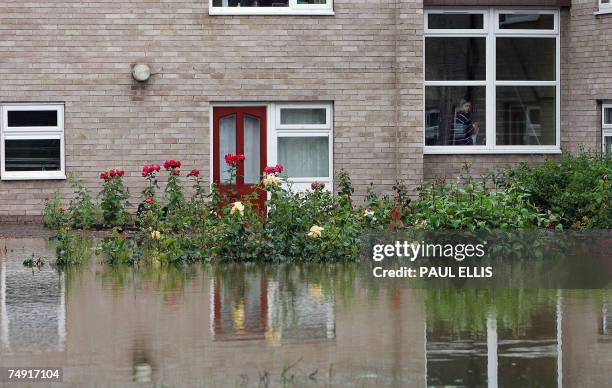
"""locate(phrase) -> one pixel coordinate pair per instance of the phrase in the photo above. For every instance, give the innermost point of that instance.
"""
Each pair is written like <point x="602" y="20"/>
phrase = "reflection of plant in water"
<point x="457" y="311"/>
<point x="166" y="279"/>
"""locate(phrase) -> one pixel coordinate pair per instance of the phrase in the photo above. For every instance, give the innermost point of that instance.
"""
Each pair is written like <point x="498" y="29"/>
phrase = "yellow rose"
<point x="237" y="207"/>
<point x="315" y="231"/>
<point x="271" y="180"/>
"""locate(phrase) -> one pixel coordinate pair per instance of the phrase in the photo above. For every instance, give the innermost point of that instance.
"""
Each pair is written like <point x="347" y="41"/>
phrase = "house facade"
<point x="386" y="89"/>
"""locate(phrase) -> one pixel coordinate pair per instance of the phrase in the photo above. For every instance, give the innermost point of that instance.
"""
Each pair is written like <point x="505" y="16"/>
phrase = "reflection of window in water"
<point x="262" y="308"/>
<point x="512" y="338"/>
<point x="33" y="310"/>
<point x="606" y="321"/>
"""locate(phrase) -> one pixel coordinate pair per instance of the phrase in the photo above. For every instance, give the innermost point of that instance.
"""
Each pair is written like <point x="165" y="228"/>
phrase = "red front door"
<point x="240" y="130"/>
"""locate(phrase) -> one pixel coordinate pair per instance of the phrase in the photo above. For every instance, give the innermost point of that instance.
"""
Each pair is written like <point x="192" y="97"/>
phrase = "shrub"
<point x="83" y="212"/>
<point x="114" y="198"/>
<point x="71" y="248"/>
<point x="54" y="214"/>
<point x="577" y="188"/>
<point x="472" y="205"/>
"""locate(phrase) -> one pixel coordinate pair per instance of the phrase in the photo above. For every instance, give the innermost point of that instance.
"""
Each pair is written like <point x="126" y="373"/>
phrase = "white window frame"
<point x="491" y="32"/>
<point x="293" y="9"/>
<point x="604" y="8"/>
<point x="275" y="130"/>
<point x="606" y="128"/>
<point x="32" y="133"/>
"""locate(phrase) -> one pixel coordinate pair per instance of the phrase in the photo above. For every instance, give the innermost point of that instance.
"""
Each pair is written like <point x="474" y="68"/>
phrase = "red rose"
<point x="270" y="170"/>
<point x="149" y="200"/>
<point x="146" y="170"/>
<point x="232" y="159"/>
<point x="104" y="176"/>
<point x="280" y="168"/>
<point x="121" y="173"/>
<point x="316" y="185"/>
<point x="194" y="172"/>
<point x="113" y="173"/>
<point x="175" y="172"/>
<point x="155" y="167"/>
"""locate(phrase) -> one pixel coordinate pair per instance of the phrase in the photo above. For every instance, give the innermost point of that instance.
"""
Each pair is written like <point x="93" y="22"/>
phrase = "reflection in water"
<point x="253" y="304"/>
<point x="33" y="309"/>
<point x="492" y="338"/>
<point x="281" y="325"/>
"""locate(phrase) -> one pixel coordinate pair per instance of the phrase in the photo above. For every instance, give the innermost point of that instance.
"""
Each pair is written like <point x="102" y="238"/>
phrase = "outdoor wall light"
<point x="141" y="72"/>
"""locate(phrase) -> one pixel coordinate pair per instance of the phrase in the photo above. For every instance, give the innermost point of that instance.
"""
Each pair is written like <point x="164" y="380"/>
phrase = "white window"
<point x="606" y="110"/>
<point x="271" y="7"/>
<point x="605" y="6"/>
<point x="303" y="143"/>
<point x="32" y="142"/>
<point x="491" y="81"/>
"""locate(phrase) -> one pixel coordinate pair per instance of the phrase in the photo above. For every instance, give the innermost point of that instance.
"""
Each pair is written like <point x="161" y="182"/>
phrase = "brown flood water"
<point x="290" y="325"/>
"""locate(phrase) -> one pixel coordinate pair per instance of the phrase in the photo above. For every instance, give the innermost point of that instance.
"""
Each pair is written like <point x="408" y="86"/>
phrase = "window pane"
<point x="455" y="115"/>
<point x="526" y="22"/>
<point x="466" y="21"/>
<point x="304" y="157"/>
<point x="32" y="155"/>
<point x="300" y="2"/>
<point x="526" y="59"/>
<point x="250" y="3"/>
<point x="32" y="118"/>
<point x="607" y="115"/>
<point x="457" y="59"/>
<point x="297" y="116"/>
<point x="608" y="147"/>
<point x="252" y="150"/>
<point x="227" y="143"/>
<point x="526" y="115"/>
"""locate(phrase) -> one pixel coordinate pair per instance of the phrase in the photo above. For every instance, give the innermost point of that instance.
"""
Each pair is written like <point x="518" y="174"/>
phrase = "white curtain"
<point x="227" y="143"/>
<point x="304" y="157"/>
<point x="252" y="169"/>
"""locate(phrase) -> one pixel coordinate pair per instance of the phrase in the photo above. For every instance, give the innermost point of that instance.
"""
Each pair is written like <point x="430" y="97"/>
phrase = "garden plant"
<point x="179" y="223"/>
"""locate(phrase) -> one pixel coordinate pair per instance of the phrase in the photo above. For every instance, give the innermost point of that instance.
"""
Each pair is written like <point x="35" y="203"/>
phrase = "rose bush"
<point x="318" y="225"/>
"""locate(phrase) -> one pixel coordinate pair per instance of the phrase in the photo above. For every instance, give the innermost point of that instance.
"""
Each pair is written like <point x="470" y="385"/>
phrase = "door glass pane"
<point x="304" y="157"/>
<point x="252" y="135"/>
<point x="32" y="155"/>
<point x="526" y="59"/>
<point x="291" y="116"/>
<point x="608" y="148"/>
<point x="455" y="115"/>
<point x="250" y="3"/>
<point x="526" y="22"/>
<point x="607" y="116"/>
<point x="457" y="59"/>
<point x="439" y="21"/>
<point x="32" y="118"/>
<point x="526" y="115"/>
<point x="227" y="143"/>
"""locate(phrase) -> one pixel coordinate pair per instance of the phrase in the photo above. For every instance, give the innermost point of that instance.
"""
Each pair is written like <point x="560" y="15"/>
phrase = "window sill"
<point x="496" y="151"/>
<point x="33" y="176"/>
<point x="603" y="12"/>
<point x="242" y="11"/>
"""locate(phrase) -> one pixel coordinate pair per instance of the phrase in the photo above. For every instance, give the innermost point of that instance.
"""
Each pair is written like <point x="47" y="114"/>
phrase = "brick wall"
<point x="81" y="53"/>
<point x="367" y="59"/>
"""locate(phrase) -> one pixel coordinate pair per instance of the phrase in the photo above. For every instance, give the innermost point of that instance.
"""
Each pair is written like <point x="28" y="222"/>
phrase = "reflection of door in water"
<point x="240" y="130"/>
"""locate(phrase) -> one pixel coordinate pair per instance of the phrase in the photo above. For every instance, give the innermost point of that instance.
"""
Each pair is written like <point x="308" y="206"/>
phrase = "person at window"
<point x="465" y="130"/>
